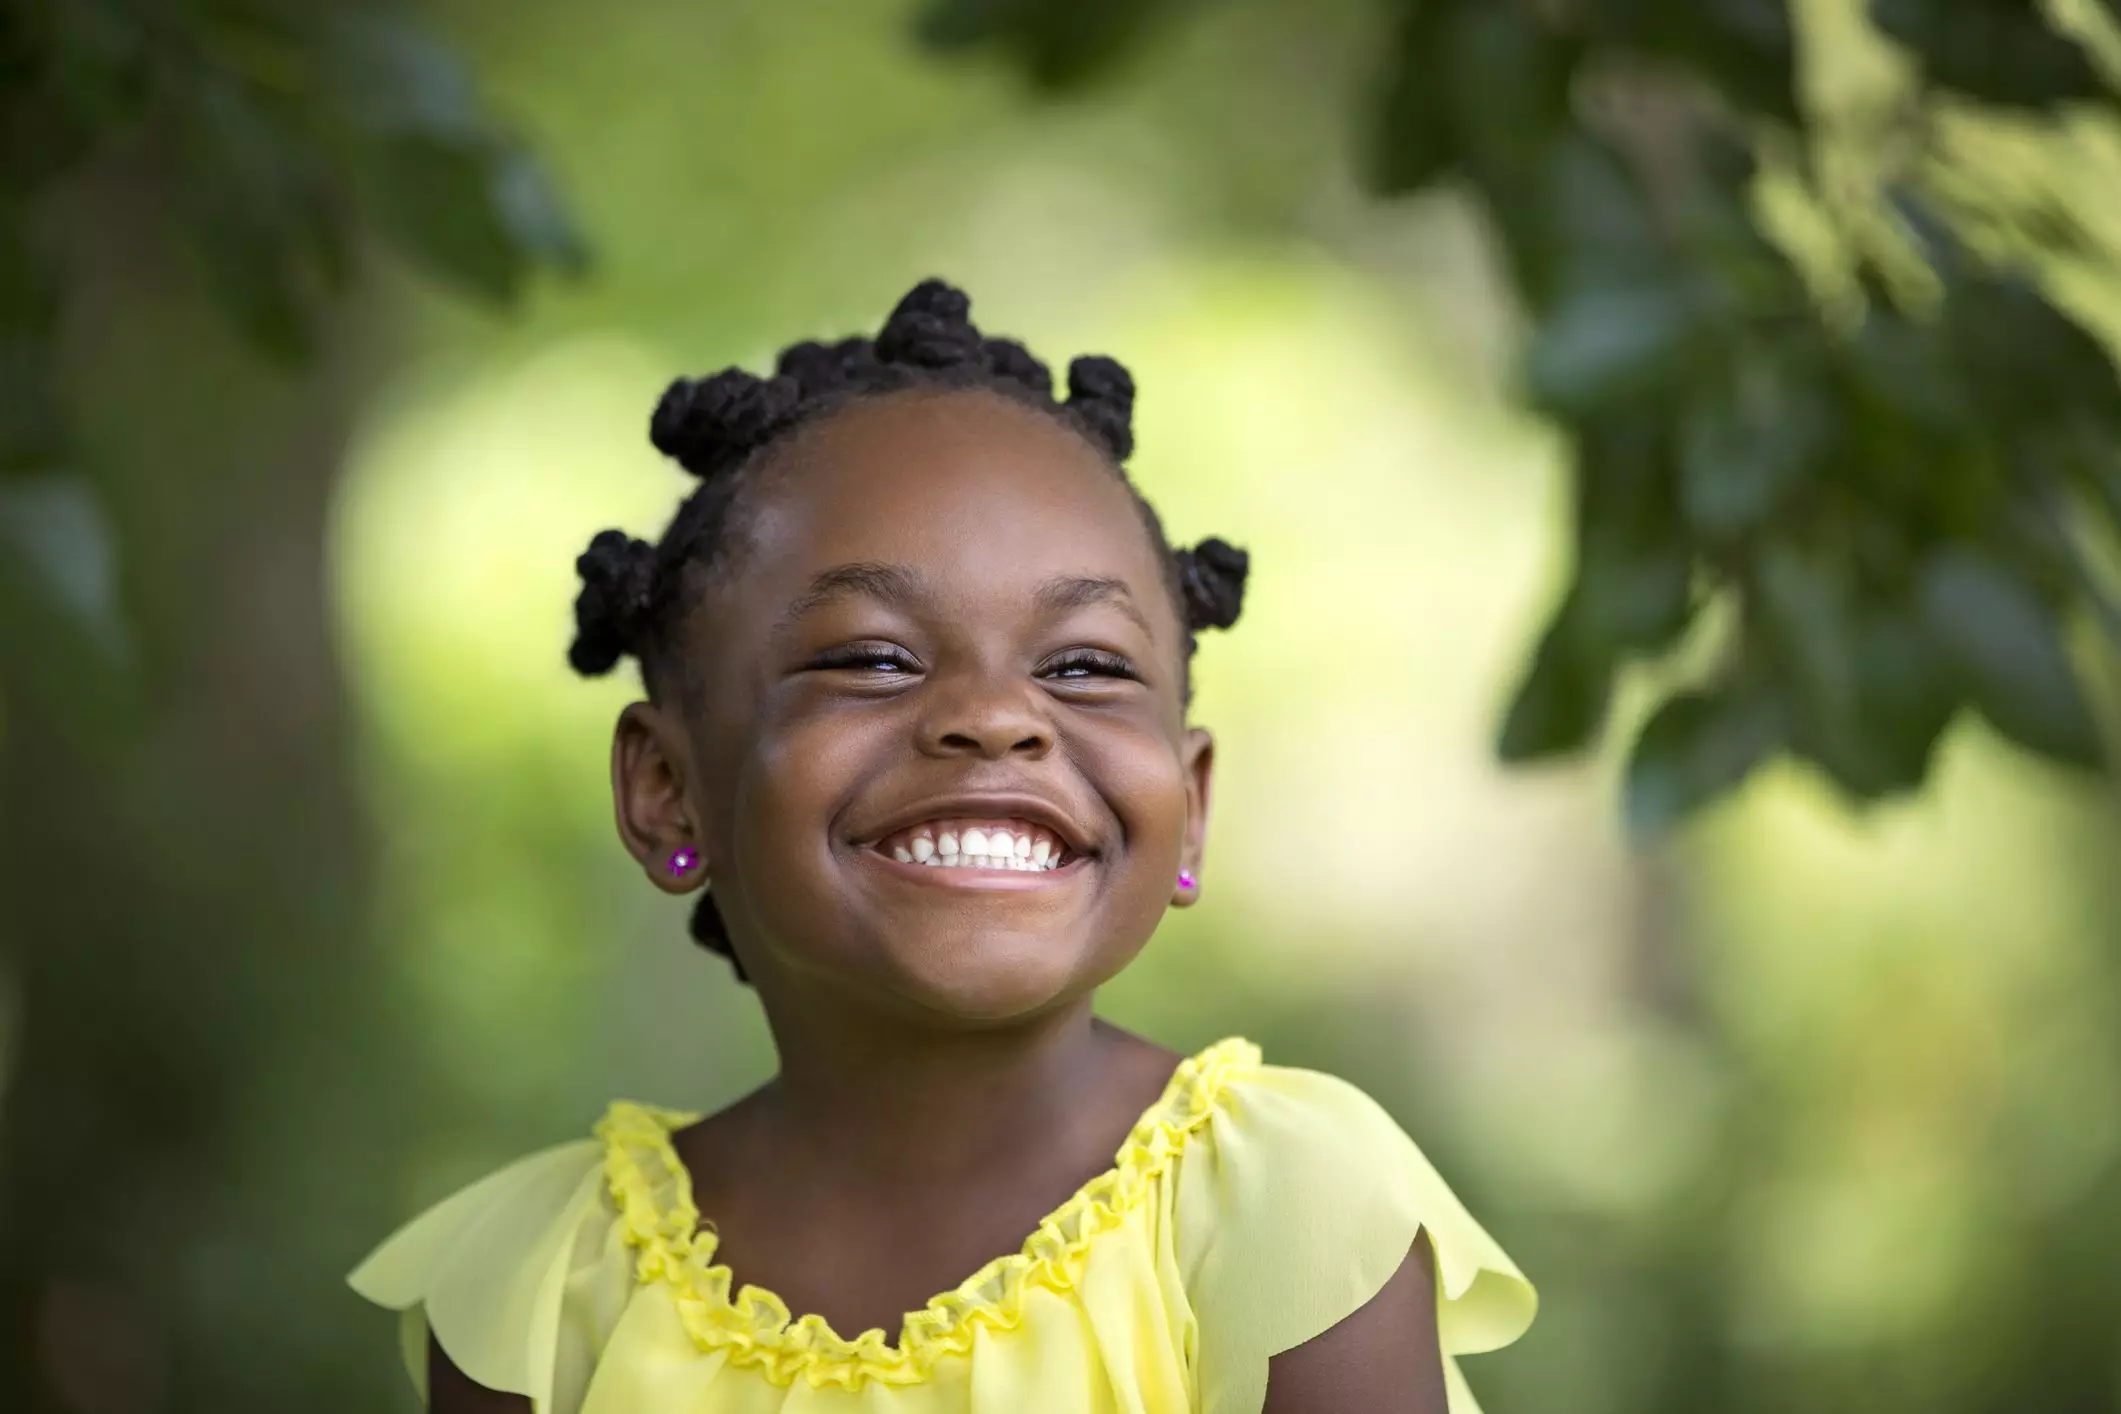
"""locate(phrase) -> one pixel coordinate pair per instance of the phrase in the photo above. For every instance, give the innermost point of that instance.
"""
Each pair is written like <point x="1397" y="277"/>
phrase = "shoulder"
<point x="1301" y="1201"/>
<point x="1287" y="1146"/>
<point x="1384" y="1355"/>
<point x="485" y="1270"/>
<point x="1288" y="1125"/>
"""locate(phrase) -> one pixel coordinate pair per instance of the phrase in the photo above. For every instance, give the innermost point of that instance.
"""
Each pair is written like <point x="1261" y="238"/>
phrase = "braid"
<point x="1101" y="398"/>
<point x="711" y="424"/>
<point x="931" y="329"/>
<point x="716" y="427"/>
<point x="1211" y="579"/>
<point x="611" y="612"/>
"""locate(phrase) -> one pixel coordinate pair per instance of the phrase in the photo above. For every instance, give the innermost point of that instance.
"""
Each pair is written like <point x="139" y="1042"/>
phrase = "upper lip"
<point x="1028" y="808"/>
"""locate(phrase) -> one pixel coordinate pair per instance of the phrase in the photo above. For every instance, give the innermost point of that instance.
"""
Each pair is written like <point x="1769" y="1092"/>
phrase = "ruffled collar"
<point x="653" y="1194"/>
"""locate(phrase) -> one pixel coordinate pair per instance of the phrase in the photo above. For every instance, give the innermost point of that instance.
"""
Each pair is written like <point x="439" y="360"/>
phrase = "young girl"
<point x="916" y="662"/>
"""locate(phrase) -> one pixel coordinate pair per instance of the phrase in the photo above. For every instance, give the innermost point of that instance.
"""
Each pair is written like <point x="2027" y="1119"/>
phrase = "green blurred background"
<point x="1812" y="1107"/>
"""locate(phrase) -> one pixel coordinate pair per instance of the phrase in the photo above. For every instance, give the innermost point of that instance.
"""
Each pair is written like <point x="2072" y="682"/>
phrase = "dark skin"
<point x="938" y="604"/>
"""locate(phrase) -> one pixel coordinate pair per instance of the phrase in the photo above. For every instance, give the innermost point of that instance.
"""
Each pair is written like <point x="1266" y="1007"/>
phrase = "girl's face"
<point x="942" y="613"/>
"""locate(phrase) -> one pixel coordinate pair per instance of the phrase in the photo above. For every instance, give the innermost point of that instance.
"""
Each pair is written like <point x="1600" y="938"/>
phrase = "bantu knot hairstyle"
<point x="634" y="594"/>
<point x="1211" y="583"/>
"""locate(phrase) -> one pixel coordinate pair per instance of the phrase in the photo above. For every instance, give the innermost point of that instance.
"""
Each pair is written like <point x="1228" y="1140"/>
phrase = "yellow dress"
<point x="1252" y="1207"/>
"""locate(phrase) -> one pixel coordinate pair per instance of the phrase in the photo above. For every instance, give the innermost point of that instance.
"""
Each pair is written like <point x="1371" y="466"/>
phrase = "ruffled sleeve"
<point x="1302" y="1204"/>
<point x="514" y="1275"/>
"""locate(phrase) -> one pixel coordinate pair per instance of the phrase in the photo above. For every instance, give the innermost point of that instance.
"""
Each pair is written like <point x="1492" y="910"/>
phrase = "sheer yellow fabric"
<point x="1251" y="1208"/>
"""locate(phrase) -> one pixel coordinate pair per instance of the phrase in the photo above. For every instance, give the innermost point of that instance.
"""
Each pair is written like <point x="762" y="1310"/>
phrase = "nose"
<point x="991" y="716"/>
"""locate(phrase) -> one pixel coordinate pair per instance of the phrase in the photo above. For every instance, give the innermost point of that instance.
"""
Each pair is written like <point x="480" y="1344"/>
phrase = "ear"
<point x="1198" y="760"/>
<point x="649" y="771"/>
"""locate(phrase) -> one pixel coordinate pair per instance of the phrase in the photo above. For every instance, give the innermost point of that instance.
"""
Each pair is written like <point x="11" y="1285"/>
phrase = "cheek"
<point x="1142" y="780"/>
<point x="785" y="791"/>
<point x="798" y="775"/>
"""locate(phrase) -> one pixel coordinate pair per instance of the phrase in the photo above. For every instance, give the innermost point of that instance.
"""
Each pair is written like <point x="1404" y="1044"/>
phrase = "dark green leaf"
<point x="1599" y="206"/>
<point x="391" y="76"/>
<point x="69" y="649"/>
<point x="534" y="215"/>
<point x="1761" y="37"/>
<point x="1634" y="572"/>
<point x="439" y="201"/>
<point x="253" y="199"/>
<point x="1508" y="77"/>
<point x="1743" y="449"/>
<point x="2100" y="469"/>
<point x="1560" y="705"/>
<point x="1609" y="344"/>
<point x="55" y="533"/>
<point x="2023" y="359"/>
<point x="1636" y="598"/>
<point x="1058" y="46"/>
<point x="2005" y="644"/>
<point x="1806" y="611"/>
<point x="2000" y="50"/>
<point x="1413" y="138"/>
<point x="1695" y="747"/>
<point x="1909" y="695"/>
<point x="1572" y="218"/>
<point x="1746" y="48"/>
<point x="256" y="286"/>
<point x="1907" y="369"/>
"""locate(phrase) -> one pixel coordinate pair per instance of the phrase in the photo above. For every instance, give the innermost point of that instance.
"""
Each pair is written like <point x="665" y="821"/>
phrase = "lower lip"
<point x="959" y="877"/>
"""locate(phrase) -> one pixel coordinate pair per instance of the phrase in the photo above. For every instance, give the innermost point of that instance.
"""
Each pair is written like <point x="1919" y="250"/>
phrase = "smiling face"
<point x="944" y="627"/>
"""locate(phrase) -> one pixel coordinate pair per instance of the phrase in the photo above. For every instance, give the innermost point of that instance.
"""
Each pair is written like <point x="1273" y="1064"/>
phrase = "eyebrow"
<point x="1064" y="592"/>
<point x="901" y="585"/>
<point x="891" y="584"/>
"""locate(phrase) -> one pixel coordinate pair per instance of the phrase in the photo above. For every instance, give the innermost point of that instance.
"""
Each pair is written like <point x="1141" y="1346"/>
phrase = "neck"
<point x="899" y="1103"/>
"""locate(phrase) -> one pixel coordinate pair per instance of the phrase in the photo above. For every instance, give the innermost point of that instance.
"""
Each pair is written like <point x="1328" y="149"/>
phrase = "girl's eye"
<point x="874" y="659"/>
<point x="1081" y="664"/>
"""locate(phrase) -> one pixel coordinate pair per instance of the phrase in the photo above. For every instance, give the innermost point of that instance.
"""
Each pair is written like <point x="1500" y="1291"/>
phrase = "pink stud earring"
<point x="683" y="860"/>
<point x="1185" y="878"/>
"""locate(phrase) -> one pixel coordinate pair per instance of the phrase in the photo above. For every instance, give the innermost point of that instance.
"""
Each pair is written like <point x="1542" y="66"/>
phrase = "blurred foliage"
<point x="187" y="194"/>
<point x="1890" y="503"/>
<point x="289" y="130"/>
<point x="277" y="135"/>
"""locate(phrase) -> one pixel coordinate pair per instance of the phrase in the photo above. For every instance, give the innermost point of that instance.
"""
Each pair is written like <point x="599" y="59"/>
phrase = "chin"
<point x="991" y="981"/>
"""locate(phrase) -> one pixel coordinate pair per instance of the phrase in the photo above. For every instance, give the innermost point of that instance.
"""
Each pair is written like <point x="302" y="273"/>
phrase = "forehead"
<point x="974" y="491"/>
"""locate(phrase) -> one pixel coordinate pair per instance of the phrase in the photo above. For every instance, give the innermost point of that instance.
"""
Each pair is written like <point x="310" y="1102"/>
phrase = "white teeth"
<point x="978" y="847"/>
<point x="988" y="861"/>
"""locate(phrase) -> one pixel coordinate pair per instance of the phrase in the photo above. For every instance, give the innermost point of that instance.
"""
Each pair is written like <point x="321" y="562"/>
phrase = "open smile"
<point x="977" y="853"/>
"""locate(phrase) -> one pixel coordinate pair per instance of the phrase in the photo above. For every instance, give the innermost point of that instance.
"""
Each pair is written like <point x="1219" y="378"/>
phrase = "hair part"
<point x="635" y="595"/>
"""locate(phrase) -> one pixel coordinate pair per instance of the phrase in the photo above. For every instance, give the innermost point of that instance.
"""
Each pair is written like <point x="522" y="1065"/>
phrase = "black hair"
<point x="635" y="595"/>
